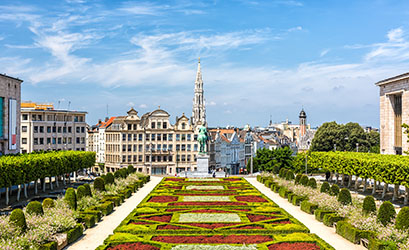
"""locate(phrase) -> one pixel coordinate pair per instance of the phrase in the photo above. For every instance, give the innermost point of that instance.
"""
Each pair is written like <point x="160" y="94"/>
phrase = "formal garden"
<point x="52" y="224"/>
<point x="221" y="214"/>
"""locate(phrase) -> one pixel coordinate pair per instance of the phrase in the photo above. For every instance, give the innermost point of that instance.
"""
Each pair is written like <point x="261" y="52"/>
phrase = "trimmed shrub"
<point x="344" y="196"/>
<point x="283" y="192"/>
<point x="99" y="184"/>
<point x="117" y="174"/>
<point x="71" y="198"/>
<point x="330" y="219"/>
<point x="48" y="203"/>
<point x="280" y="173"/>
<point x="103" y="177"/>
<point x="308" y="207"/>
<point x="304" y="180"/>
<point x="312" y="183"/>
<point x="81" y="192"/>
<point x="298" y="178"/>
<point x="320" y="213"/>
<point x="35" y="207"/>
<point x="296" y="200"/>
<point x="369" y="205"/>
<point x="334" y="191"/>
<point x="52" y="245"/>
<point x="109" y="178"/>
<point x="87" y="189"/>
<point x="351" y="233"/>
<point x="402" y="220"/>
<point x="75" y="233"/>
<point x="131" y="169"/>
<point x="386" y="213"/>
<point x="290" y="175"/>
<point x="325" y="187"/>
<point x="89" y="220"/>
<point x="18" y="219"/>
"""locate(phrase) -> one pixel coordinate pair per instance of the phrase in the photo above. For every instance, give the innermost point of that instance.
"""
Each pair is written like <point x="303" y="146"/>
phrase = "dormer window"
<point x="153" y="125"/>
<point x="183" y="125"/>
<point x="165" y="125"/>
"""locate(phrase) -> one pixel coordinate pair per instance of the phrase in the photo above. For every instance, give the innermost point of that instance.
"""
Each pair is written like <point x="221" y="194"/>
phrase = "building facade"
<point x="44" y="128"/>
<point x="10" y="101"/>
<point x="394" y="111"/>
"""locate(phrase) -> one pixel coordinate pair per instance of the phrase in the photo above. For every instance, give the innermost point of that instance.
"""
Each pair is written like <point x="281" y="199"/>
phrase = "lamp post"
<point x="306" y="156"/>
<point x="335" y="147"/>
<point x="357" y="147"/>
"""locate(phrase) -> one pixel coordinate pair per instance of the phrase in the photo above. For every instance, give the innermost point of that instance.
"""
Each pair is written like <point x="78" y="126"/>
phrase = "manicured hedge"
<point x="75" y="233"/>
<point x="351" y="233"/>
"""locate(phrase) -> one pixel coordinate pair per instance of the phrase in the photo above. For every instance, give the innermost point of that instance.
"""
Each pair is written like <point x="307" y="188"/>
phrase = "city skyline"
<point x="278" y="57"/>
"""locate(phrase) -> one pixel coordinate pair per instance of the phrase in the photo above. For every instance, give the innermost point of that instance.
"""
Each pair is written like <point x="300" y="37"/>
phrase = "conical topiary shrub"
<point x="344" y="196"/>
<point x="48" y="203"/>
<point x="334" y="191"/>
<point x="34" y="207"/>
<point x="369" y="205"/>
<point x="18" y="219"/>
<point x="81" y="192"/>
<point x="304" y="180"/>
<point x="312" y="183"/>
<point x="71" y="198"/>
<point x="298" y="178"/>
<point x="290" y="175"/>
<point x="109" y="178"/>
<point x="402" y="220"/>
<point x="325" y="187"/>
<point x="87" y="189"/>
<point x="386" y="213"/>
<point x="131" y="169"/>
<point x="99" y="184"/>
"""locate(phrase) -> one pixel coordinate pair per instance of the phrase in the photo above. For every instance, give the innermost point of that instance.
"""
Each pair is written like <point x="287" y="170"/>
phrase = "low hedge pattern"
<point x="182" y="211"/>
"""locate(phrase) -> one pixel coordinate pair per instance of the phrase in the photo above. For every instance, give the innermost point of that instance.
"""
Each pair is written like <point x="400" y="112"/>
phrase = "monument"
<point x="202" y="157"/>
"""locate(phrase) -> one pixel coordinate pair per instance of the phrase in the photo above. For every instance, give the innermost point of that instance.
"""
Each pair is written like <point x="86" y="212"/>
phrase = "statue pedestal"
<point x="202" y="169"/>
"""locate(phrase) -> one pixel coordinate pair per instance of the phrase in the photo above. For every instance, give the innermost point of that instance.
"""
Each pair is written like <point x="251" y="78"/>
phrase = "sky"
<point x="259" y="59"/>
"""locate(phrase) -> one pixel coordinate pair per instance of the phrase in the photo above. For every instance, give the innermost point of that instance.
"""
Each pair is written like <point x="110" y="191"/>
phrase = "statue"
<point x="202" y="139"/>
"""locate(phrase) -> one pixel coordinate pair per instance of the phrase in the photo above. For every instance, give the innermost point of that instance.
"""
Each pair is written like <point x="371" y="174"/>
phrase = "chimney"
<point x="106" y="119"/>
<point x="99" y="121"/>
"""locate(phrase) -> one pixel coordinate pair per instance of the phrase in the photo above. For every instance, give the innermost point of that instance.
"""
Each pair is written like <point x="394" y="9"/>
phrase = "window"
<point x="170" y="147"/>
<point x="178" y="158"/>
<point x="188" y="157"/>
<point x="64" y="130"/>
<point x="134" y="137"/>
<point x="134" y="127"/>
<point x="195" y="147"/>
<point x="41" y="129"/>
<point x="177" y="137"/>
<point x="78" y="140"/>
<point x="140" y="137"/>
<point x="165" y="147"/>
<point x="153" y="137"/>
<point x="178" y="147"/>
<point x="54" y="129"/>
<point x="41" y="141"/>
<point x="59" y="129"/>
<point x="59" y="140"/>
<point x="183" y="157"/>
<point x="170" y="158"/>
<point x="159" y="124"/>
<point x="25" y="116"/>
<point x="40" y="117"/>
<point x="69" y="130"/>
<point x="189" y="137"/>
<point x="134" y="158"/>
<point x="158" y="137"/>
<point x="129" y="158"/>
<point x="82" y="129"/>
<point x="129" y="126"/>
<point x="24" y="129"/>
<point x="195" y="137"/>
<point x="170" y="137"/>
<point x="134" y="148"/>
<point x="49" y="129"/>
<point x="123" y="148"/>
<point x="164" y="137"/>
<point x="78" y="129"/>
<point x="147" y="137"/>
<point x="158" y="147"/>
<point x="140" y="148"/>
<point x="123" y="137"/>
<point x="183" y="147"/>
<point x="48" y="140"/>
<point x="124" y="158"/>
<point x="129" y="148"/>
<point x="24" y="140"/>
<point x="165" y="125"/>
<point x="153" y="125"/>
<point x="147" y="158"/>
<point x="33" y="117"/>
<point x="69" y="140"/>
<point x="183" y="126"/>
<point x="54" y="140"/>
<point x="129" y="137"/>
<point x="140" y="158"/>
<point x="189" y="147"/>
<point x="183" y="137"/>
<point x="35" y="129"/>
<point x="35" y="141"/>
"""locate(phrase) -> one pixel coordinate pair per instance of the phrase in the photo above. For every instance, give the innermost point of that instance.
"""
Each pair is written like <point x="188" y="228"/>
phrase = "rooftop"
<point x="14" y="78"/>
<point x="393" y="79"/>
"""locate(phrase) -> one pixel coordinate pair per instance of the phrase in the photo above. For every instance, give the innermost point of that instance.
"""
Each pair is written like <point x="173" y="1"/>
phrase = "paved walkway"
<point x="326" y="233"/>
<point x="93" y="237"/>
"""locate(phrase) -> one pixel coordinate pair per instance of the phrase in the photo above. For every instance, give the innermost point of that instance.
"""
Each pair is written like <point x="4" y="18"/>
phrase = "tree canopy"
<point x="272" y="160"/>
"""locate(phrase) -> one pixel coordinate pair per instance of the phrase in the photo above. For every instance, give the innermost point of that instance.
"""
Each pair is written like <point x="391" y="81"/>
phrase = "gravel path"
<point x="93" y="237"/>
<point x="326" y="233"/>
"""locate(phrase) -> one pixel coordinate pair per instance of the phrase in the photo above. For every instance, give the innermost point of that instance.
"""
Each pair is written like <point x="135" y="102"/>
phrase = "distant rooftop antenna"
<point x="69" y="105"/>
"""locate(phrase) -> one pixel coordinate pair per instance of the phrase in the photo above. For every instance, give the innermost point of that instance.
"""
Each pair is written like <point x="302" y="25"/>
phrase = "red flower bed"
<point x="162" y="227"/>
<point x="173" y="187"/>
<point x="211" y="225"/>
<point x="215" y="239"/>
<point x="251" y="198"/>
<point x="175" y="179"/>
<point x="207" y="203"/>
<point x="209" y="194"/>
<point x="133" y="246"/>
<point x="257" y="217"/>
<point x="248" y="227"/>
<point x="141" y="223"/>
<point x="209" y="211"/>
<point x="294" y="246"/>
<point x="175" y="209"/>
<point x="160" y="218"/>
<point x="238" y="187"/>
<point x="232" y="179"/>
<point x="280" y="222"/>
<point x="163" y="199"/>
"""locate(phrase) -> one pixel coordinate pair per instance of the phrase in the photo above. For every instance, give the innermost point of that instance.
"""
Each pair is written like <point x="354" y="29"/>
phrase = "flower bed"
<point x="133" y="246"/>
<point x="206" y="198"/>
<point x="193" y="187"/>
<point x="294" y="246"/>
<point x="215" y="239"/>
<point x="250" y="198"/>
<point x="215" y="203"/>
<point x="163" y="199"/>
<point x="208" y="217"/>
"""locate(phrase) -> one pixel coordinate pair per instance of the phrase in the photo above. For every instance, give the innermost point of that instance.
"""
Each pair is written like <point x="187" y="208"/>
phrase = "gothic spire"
<point x="199" y="109"/>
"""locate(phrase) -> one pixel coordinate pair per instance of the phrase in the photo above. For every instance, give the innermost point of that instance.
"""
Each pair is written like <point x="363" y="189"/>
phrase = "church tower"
<point x="303" y="123"/>
<point x="199" y="108"/>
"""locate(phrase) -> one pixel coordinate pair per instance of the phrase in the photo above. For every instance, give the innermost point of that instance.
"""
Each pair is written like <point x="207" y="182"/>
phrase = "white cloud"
<point x="211" y="103"/>
<point x="395" y="35"/>
<point x="131" y="104"/>
<point x="143" y="106"/>
<point x="289" y="3"/>
<point x="324" y="52"/>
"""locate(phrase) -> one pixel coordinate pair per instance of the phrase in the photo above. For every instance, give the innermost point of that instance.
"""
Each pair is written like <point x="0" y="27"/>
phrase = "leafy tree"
<point x="272" y="160"/>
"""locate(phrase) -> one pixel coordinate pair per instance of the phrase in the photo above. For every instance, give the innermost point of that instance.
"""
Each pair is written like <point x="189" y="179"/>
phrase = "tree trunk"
<point x="35" y="187"/>
<point x="374" y="188"/>
<point x="349" y="181"/>
<point x="18" y="192"/>
<point x="7" y="196"/>
<point x="25" y="190"/>
<point x="365" y="184"/>
<point x="63" y="179"/>
<point x="331" y="176"/>
<point x="336" y="178"/>
<point x="385" y="188"/>
<point x="51" y="183"/>
<point x="406" y="201"/>
<point x="356" y="183"/>
<point x="342" y="179"/>
<point x="43" y="184"/>
<point x="75" y="176"/>
<point x="395" y="192"/>
<point x="56" y="181"/>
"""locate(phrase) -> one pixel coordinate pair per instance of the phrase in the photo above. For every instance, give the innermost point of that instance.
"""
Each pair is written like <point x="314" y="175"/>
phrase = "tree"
<point x="272" y="160"/>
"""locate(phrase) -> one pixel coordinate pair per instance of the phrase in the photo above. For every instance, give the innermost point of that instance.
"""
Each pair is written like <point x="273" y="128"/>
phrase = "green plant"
<point x="386" y="213"/>
<point x="131" y="169"/>
<point x="87" y="189"/>
<point x="48" y="203"/>
<point x="298" y="178"/>
<point x="75" y="233"/>
<point x="34" y="207"/>
<point x="402" y="220"/>
<point x="312" y="183"/>
<point x="71" y="198"/>
<point x="325" y="187"/>
<point x="344" y="196"/>
<point x="369" y="205"/>
<point x="304" y="180"/>
<point x="81" y="192"/>
<point x="99" y="184"/>
<point x="18" y="219"/>
<point x="109" y="178"/>
<point x="290" y="175"/>
<point x="334" y="191"/>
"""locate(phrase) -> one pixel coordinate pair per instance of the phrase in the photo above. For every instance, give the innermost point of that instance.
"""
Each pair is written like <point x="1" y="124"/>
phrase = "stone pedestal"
<point x="203" y="163"/>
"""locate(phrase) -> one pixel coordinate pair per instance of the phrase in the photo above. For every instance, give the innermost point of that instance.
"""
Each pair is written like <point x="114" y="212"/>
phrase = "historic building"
<point x="44" y="128"/>
<point x="306" y="134"/>
<point x="96" y="139"/>
<point x="394" y="103"/>
<point x="151" y="142"/>
<point x="10" y="98"/>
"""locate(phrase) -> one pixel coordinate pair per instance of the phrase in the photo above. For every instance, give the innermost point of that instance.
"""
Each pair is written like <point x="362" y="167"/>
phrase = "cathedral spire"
<point x="199" y="108"/>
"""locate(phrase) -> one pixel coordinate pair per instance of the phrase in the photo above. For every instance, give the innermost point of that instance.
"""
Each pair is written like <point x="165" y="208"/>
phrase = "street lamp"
<point x="306" y="156"/>
<point x="335" y="147"/>
<point x="357" y="147"/>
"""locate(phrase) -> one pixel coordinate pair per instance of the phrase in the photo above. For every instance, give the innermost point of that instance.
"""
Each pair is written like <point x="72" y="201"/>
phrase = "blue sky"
<point x="259" y="58"/>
